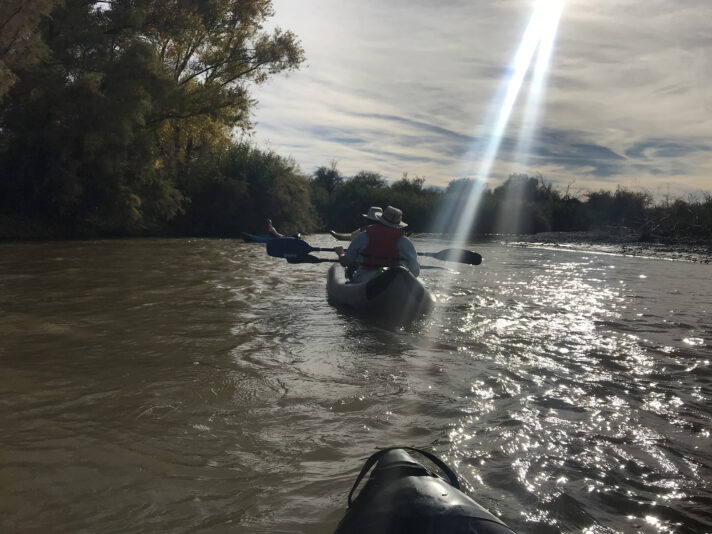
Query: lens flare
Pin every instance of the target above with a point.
(536, 87)
(537, 41)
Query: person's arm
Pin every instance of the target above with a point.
(351, 255)
(272, 231)
(342, 259)
(408, 255)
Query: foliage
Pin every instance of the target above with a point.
(340, 202)
(132, 98)
(118, 118)
(240, 189)
(522, 204)
(680, 218)
(20, 42)
(369, 179)
(622, 208)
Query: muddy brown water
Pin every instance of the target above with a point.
(199, 385)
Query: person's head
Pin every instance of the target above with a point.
(269, 222)
(372, 212)
(392, 217)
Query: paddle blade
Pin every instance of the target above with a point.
(309, 259)
(288, 248)
(458, 255)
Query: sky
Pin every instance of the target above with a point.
(417, 87)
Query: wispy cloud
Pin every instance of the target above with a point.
(406, 86)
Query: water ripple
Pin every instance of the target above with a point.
(201, 385)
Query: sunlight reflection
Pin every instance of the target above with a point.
(571, 392)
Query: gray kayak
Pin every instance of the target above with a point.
(391, 293)
(402, 496)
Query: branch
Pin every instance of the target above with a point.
(180, 66)
(12, 16)
(245, 73)
(211, 67)
(189, 115)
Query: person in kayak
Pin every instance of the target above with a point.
(382, 244)
(271, 229)
(369, 218)
(366, 220)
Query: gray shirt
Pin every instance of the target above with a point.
(406, 252)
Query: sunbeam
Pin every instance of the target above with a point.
(460, 212)
(509, 220)
(537, 41)
(536, 87)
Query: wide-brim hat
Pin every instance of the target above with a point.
(392, 217)
(373, 211)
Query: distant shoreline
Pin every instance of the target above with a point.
(620, 242)
(606, 240)
(625, 242)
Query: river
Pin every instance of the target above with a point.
(199, 385)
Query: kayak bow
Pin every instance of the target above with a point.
(343, 236)
(403, 496)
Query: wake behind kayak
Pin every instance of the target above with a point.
(402, 496)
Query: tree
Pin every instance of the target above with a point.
(404, 184)
(327, 177)
(241, 188)
(96, 140)
(369, 179)
(21, 45)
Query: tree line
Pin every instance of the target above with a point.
(119, 119)
(522, 204)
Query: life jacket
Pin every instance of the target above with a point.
(382, 249)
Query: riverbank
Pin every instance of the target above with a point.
(617, 241)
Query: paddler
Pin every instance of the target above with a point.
(271, 229)
(382, 244)
(367, 219)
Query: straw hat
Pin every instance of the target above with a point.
(373, 213)
(392, 217)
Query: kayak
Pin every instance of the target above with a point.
(262, 238)
(403, 496)
(345, 237)
(392, 293)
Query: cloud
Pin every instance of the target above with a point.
(664, 148)
(400, 86)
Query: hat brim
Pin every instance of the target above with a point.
(390, 224)
(365, 216)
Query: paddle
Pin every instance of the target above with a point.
(308, 258)
(313, 259)
(455, 254)
(294, 249)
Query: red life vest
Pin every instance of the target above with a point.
(382, 249)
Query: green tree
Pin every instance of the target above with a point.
(323, 185)
(241, 188)
(369, 179)
(95, 140)
(406, 185)
(328, 178)
(21, 45)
